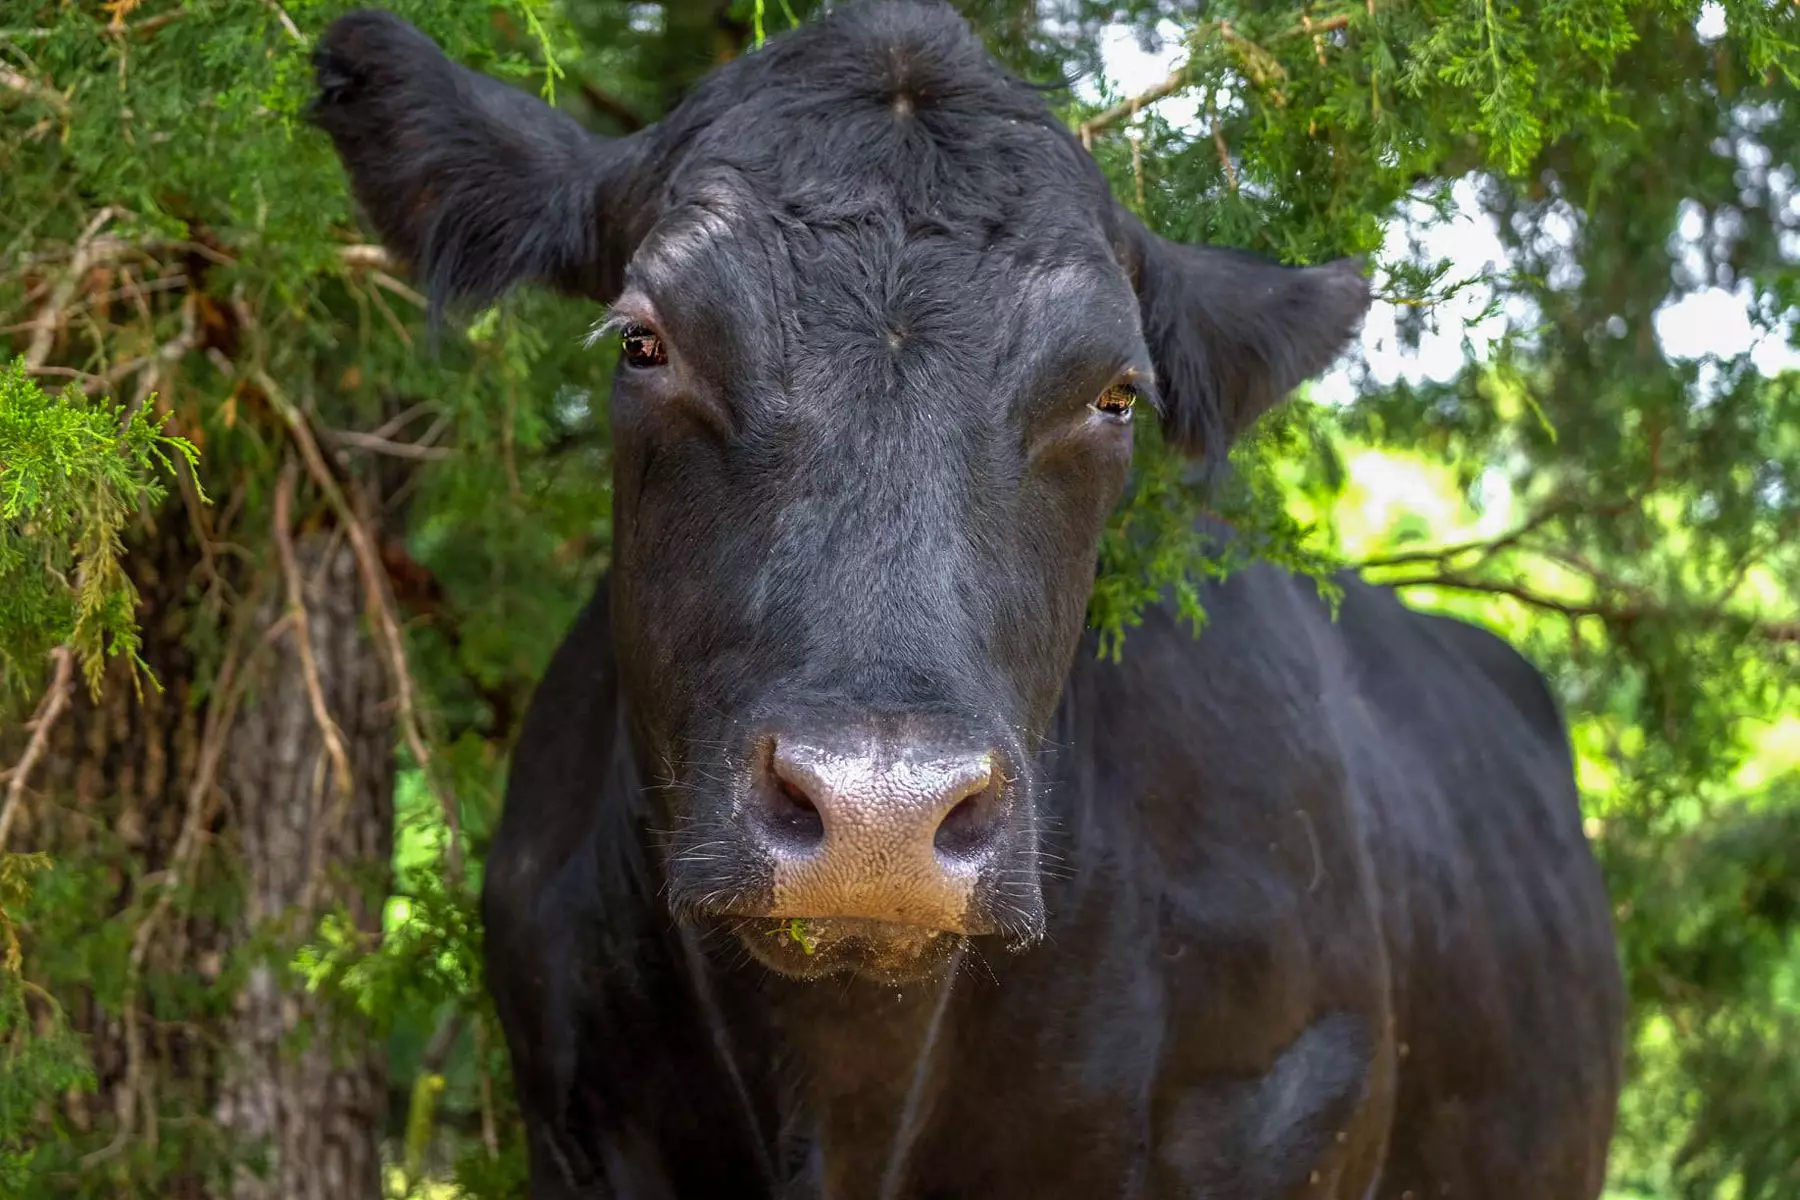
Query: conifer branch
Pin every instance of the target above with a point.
(49, 708)
(1262, 65)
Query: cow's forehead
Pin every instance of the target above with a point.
(754, 288)
(885, 185)
(877, 120)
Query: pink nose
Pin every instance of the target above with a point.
(878, 831)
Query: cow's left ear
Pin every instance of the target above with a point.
(477, 185)
(1232, 333)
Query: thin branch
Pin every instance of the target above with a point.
(315, 690)
(395, 424)
(1178, 79)
(443, 1041)
(287, 22)
(1779, 632)
(393, 321)
(103, 250)
(383, 279)
(1315, 28)
(1218, 136)
(49, 314)
(1501, 587)
(374, 584)
(15, 82)
(48, 710)
(381, 445)
(1262, 65)
(379, 263)
(1487, 549)
(150, 25)
(365, 255)
(166, 355)
(1318, 39)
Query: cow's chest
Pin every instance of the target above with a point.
(1184, 1064)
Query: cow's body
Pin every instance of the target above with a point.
(1322, 922)
(835, 864)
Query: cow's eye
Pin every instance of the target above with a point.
(643, 347)
(1116, 401)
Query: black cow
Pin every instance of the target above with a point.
(835, 863)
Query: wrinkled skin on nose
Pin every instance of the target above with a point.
(896, 834)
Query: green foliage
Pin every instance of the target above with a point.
(72, 473)
(1177, 530)
(41, 1058)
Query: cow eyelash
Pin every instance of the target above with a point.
(642, 347)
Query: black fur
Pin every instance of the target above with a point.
(1299, 908)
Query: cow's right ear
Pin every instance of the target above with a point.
(1232, 333)
(477, 185)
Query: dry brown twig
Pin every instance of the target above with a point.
(380, 602)
(49, 708)
(329, 732)
(380, 265)
(1129, 108)
(1218, 137)
(365, 255)
(43, 335)
(393, 449)
(287, 22)
(383, 279)
(393, 321)
(14, 81)
(149, 368)
(374, 578)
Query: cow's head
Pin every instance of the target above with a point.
(885, 334)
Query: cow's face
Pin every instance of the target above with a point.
(884, 336)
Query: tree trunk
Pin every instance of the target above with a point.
(317, 1107)
(200, 819)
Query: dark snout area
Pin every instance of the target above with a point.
(885, 832)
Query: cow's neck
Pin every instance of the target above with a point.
(861, 1071)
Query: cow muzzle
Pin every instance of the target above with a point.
(870, 830)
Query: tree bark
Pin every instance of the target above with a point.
(198, 814)
(317, 1107)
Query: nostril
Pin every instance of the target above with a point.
(788, 812)
(969, 826)
(796, 804)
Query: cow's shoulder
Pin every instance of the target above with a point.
(564, 752)
(1390, 639)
